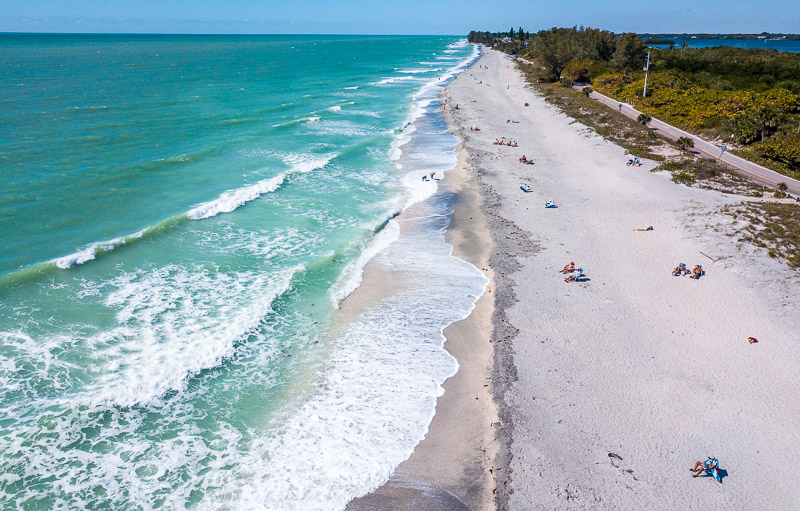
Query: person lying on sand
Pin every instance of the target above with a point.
(680, 270)
(574, 276)
(496, 142)
(708, 466)
(648, 229)
(523, 159)
(568, 268)
(697, 271)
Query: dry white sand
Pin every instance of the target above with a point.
(631, 361)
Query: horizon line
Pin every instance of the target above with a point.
(232, 34)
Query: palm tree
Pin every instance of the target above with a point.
(684, 143)
(644, 119)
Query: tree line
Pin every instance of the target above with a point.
(750, 98)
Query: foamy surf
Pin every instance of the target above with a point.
(173, 323)
(389, 366)
(233, 199)
(171, 374)
(90, 252)
(379, 389)
(351, 275)
(311, 118)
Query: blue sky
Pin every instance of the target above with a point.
(394, 17)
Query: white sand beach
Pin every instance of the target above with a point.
(632, 361)
(608, 389)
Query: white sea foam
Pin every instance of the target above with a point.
(418, 70)
(418, 190)
(352, 88)
(90, 252)
(232, 199)
(311, 118)
(396, 79)
(379, 389)
(334, 108)
(351, 275)
(374, 404)
(174, 322)
(343, 127)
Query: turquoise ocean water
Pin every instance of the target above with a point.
(180, 218)
(789, 45)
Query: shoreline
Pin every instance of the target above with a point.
(451, 466)
(607, 390)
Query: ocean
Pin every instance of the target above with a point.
(181, 217)
(789, 45)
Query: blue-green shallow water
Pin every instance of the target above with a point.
(180, 216)
(789, 45)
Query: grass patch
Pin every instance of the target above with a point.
(637, 139)
(771, 225)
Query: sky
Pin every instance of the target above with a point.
(396, 16)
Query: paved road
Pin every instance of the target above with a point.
(748, 169)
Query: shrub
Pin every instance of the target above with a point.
(684, 143)
(683, 177)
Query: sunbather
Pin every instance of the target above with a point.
(523, 159)
(697, 271)
(574, 276)
(680, 270)
(568, 268)
(710, 465)
(641, 229)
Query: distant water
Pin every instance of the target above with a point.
(180, 217)
(774, 44)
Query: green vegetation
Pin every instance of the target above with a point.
(685, 143)
(773, 226)
(750, 99)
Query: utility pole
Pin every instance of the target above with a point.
(646, 71)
